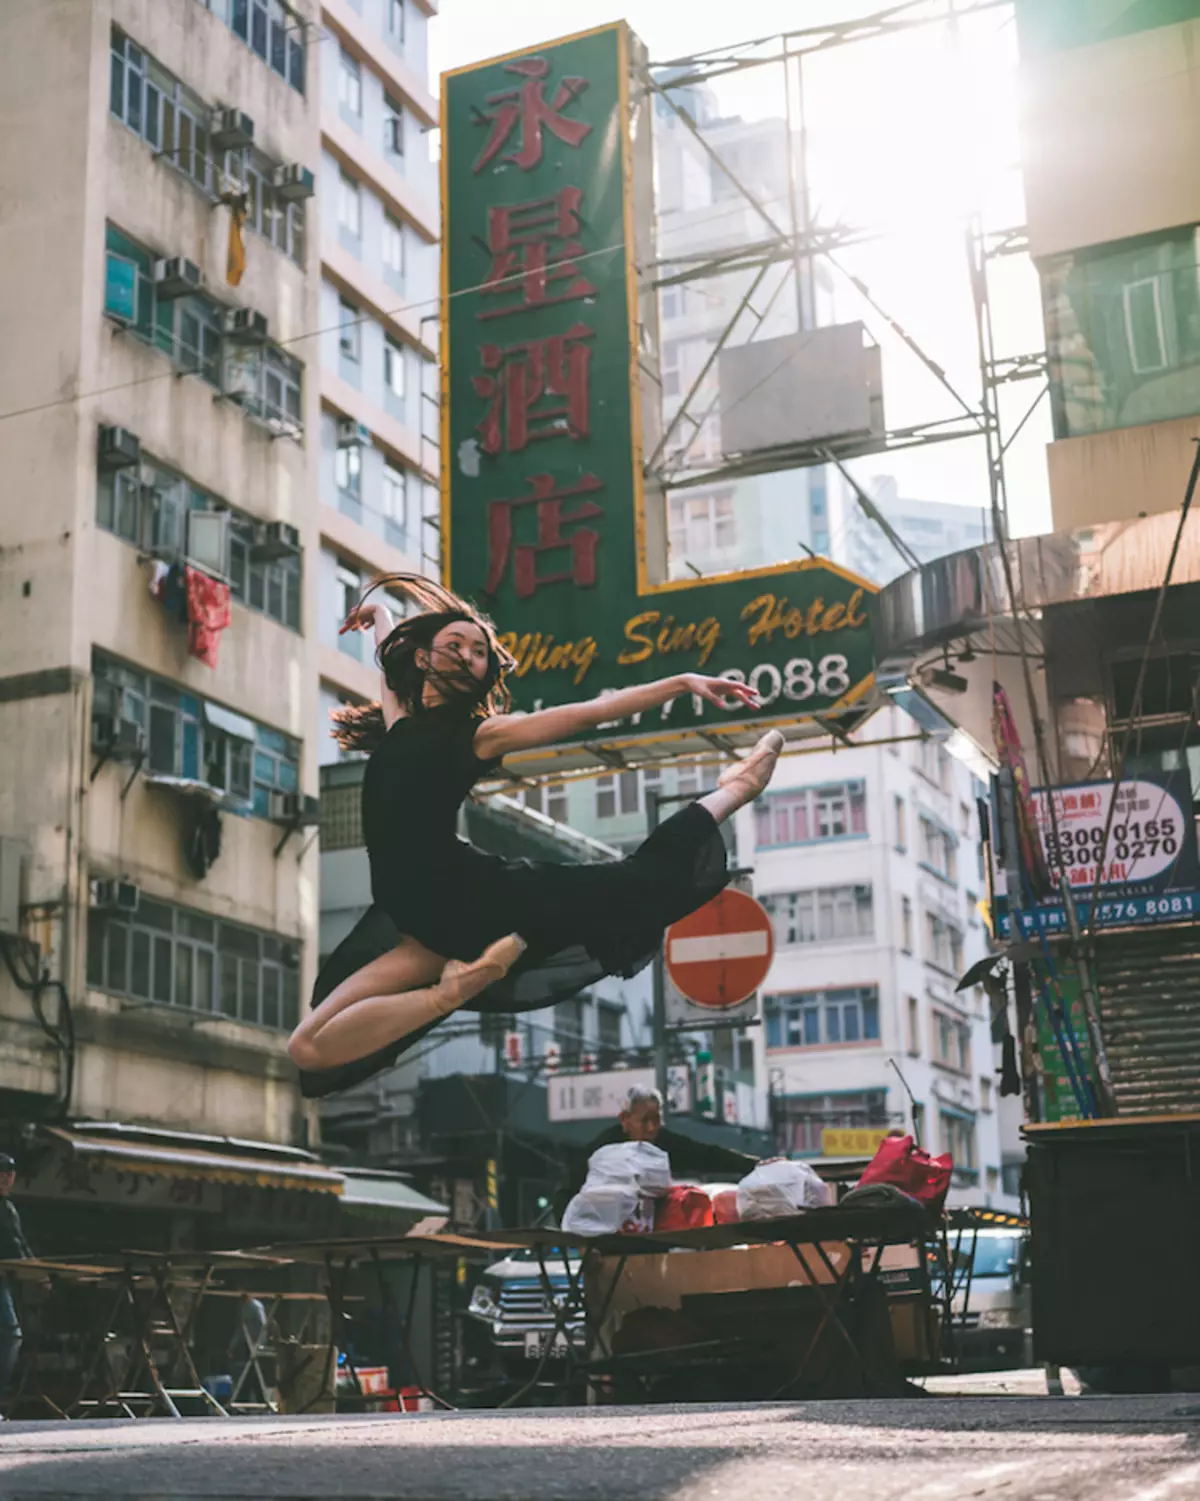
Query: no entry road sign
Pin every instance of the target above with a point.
(721, 953)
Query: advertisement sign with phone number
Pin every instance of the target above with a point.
(1148, 868)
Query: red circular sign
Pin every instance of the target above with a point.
(721, 953)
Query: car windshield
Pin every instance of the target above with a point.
(993, 1255)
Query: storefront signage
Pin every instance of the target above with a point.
(848, 1141)
(1148, 868)
(546, 518)
(587, 1097)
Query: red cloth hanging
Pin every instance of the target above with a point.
(208, 614)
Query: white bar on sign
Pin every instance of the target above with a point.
(718, 946)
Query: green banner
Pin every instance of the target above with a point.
(544, 506)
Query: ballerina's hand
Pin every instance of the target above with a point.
(361, 618)
(720, 690)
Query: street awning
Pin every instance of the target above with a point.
(157, 1159)
(370, 1193)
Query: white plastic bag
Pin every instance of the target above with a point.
(608, 1209)
(639, 1164)
(774, 1189)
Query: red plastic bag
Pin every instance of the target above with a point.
(683, 1207)
(725, 1210)
(906, 1166)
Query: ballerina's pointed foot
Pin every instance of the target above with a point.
(462, 980)
(757, 767)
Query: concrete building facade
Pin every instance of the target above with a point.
(159, 893)
(376, 440)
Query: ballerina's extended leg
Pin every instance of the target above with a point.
(745, 779)
(391, 997)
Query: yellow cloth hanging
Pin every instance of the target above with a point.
(235, 258)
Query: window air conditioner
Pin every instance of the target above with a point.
(229, 129)
(115, 896)
(176, 278)
(119, 448)
(351, 434)
(293, 183)
(294, 808)
(277, 539)
(244, 326)
(119, 739)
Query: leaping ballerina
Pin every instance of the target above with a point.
(451, 926)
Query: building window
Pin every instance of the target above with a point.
(943, 943)
(349, 591)
(957, 1136)
(951, 1042)
(552, 801)
(393, 251)
(835, 811)
(349, 208)
(393, 126)
(347, 468)
(821, 915)
(701, 525)
(268, 383)
(178, 957)
(395, 20)
(608, 1026)
(913, 1015)
(901, 829)
(939, 850)
(932, 760)
(906, 924)
(349, 331)
(349, 85)
(625, 793)
(1123, 333)
(985, 1094)
(150, 508)
(186, 329)
(188, 737)
(803, 1118)
(820, 1018)
(393, 371)
(174, 121)
(395, 502)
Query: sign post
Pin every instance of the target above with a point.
(551, 399)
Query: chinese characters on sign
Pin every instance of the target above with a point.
(1148, 868)
(547, 191)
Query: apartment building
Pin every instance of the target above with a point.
(377, 247)
(158, 566)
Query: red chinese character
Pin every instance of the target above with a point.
(548, 498)
(522, 375)
(523, 265)
(1070, 802)
(527, 106)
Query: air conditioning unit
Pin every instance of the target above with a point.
(351, 434)
(274, 540)
(244, 326)
(229, 129)
(176, 278)
(289, 955)
(293, 183)
(115, 896)
(120, 739)
(296, 809)
(119, 448)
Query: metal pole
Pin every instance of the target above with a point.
(659, 974)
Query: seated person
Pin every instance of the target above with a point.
(641, 1120)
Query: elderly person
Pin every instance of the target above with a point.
(640, 1119)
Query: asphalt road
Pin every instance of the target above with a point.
(959, 1448)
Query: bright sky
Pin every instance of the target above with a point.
(902, 133)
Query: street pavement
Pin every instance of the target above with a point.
(932, 1448)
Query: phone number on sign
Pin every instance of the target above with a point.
(1135, 909)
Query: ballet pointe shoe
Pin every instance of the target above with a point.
(755, 770)
(462, 980)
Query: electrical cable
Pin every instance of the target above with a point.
(62, 1036)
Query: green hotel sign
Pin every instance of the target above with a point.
(547, 523)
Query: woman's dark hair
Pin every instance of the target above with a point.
(361, 727)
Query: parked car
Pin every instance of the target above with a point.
(512, 1300)
(993, 1304)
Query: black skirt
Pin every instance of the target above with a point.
(580, 922)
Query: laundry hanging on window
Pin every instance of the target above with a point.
(208, 614)
(169, 586)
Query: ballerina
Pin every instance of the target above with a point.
(451, 926)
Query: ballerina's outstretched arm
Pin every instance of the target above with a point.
(502, 733)
(375, 613)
